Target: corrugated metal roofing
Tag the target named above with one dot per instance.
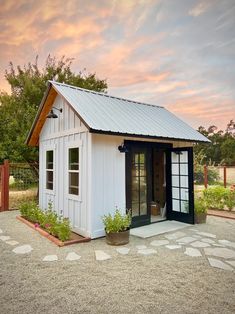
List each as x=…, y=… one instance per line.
x=109, y=114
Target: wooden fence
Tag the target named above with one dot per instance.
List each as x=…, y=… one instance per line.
x=4, y=186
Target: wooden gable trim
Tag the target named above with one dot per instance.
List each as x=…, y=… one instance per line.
x=46, y=105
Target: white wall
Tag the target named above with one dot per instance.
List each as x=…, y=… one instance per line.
x=60, y=134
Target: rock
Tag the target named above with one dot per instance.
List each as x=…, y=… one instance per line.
x=101, y=255
x=50, y=258
x=23, y=249
x=72, y=256
x=192, y=252
x=159, y=242
x=219, y=264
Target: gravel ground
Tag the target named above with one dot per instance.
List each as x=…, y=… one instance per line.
x=166, y=282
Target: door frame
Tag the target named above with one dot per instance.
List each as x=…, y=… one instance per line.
x=148, y=146
x=171, y=214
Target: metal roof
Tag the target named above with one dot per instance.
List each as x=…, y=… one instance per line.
x=107, y=114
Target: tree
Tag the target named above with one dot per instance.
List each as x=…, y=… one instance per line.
x=18, y=109
x=221, y=150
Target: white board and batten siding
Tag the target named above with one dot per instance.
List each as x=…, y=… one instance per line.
x=59, y=135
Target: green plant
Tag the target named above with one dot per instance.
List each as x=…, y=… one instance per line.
x=200, y=206
x=48, y=220
x=218, y=197
x=116, y=222
x=229, y=199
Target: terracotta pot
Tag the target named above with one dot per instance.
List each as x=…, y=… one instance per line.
x=118, y=238
x=200, y=218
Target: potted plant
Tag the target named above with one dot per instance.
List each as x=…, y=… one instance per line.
x=117, y=227
x=200, y=211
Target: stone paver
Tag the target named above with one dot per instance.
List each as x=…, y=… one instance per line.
x=147, y=251
x=206, y=234
x=173, y=246
x=185, y=240
x=227, y=243
x=219, y=264
x=101, y=255
x=159, y=242
x=175, y=235
x=206, y=240
x=220, y=252
x=141, y=247
x=72, y=256
x=23, y=249
x=50, y=258
x=12, y=242
x=199, y=244
x=192, y=252
x=196, y=236
x=5, y=238
x=123, y=250
x=1, y=231
x=231, y=263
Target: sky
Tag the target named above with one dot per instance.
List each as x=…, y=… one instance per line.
x=179, y=54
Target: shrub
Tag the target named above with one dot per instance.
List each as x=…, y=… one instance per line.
x=200, y=206
x=218, y=197
x=117, y=222
x=48, y=220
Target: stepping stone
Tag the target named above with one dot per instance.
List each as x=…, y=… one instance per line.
x=4, y=238
x=72, y=256
x=231, y=263
x=23, y=249
x=193, y=229
x=220, y=252
x=192, y=252
x=175, y=235
x=210, y=241
x=146, y=251
x=227, y=243
x=219, y=264
x=101, y=255
x=173, y=246
x=200, y=244
x=186, y=240
x=123, y=250
x=141, y=247
x=12, y=242
x=209, y=235
x=50, y=258
x=1, y=231
x=197, y=236
x=159, y=242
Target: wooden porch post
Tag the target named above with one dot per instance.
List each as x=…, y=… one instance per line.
x=225, y=176
x=5, y=186
x=205, y=176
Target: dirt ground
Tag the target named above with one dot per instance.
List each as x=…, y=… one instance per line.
x=166, y=282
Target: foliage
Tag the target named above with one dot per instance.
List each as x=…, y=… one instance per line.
x=199, y=162
x=117, y=222
x=221, y=150
x=219, y=197
x=49, y=220
x=18, y=109
x=200, y=206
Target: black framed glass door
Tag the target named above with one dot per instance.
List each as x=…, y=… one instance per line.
x=137, y=189
x=180, y=194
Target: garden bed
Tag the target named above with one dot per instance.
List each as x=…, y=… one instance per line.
x=74, y=238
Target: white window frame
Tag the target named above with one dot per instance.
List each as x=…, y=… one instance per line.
x=46, y=149
x=75, y=144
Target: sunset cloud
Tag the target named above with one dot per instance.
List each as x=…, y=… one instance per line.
x=178, y=54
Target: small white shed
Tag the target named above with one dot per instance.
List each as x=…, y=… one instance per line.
x=98, y=152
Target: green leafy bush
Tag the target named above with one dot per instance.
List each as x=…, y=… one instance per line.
x=200, y=206
x=117, y=222
x=218, y=197
x=47, y=220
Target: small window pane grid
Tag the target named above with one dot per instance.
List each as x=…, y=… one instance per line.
x=139, y=185
x=180, y=181
x=49, y=169
x=73, y=170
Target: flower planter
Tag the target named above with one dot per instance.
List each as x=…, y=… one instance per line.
x=200, y=218
x=75, y=238
x=118, y=238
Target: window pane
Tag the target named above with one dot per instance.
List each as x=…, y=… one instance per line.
x=184, y=169
x=49, y=159
x=176, y=205
x=175, y=180
x=184, y=194
x=176, y=193
x=49, y=180
x=184, y=156
x=174, y=157
x=73, y=183
x=184, y=207
x=175, y=168
x=184, y=181
x=73, y=158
